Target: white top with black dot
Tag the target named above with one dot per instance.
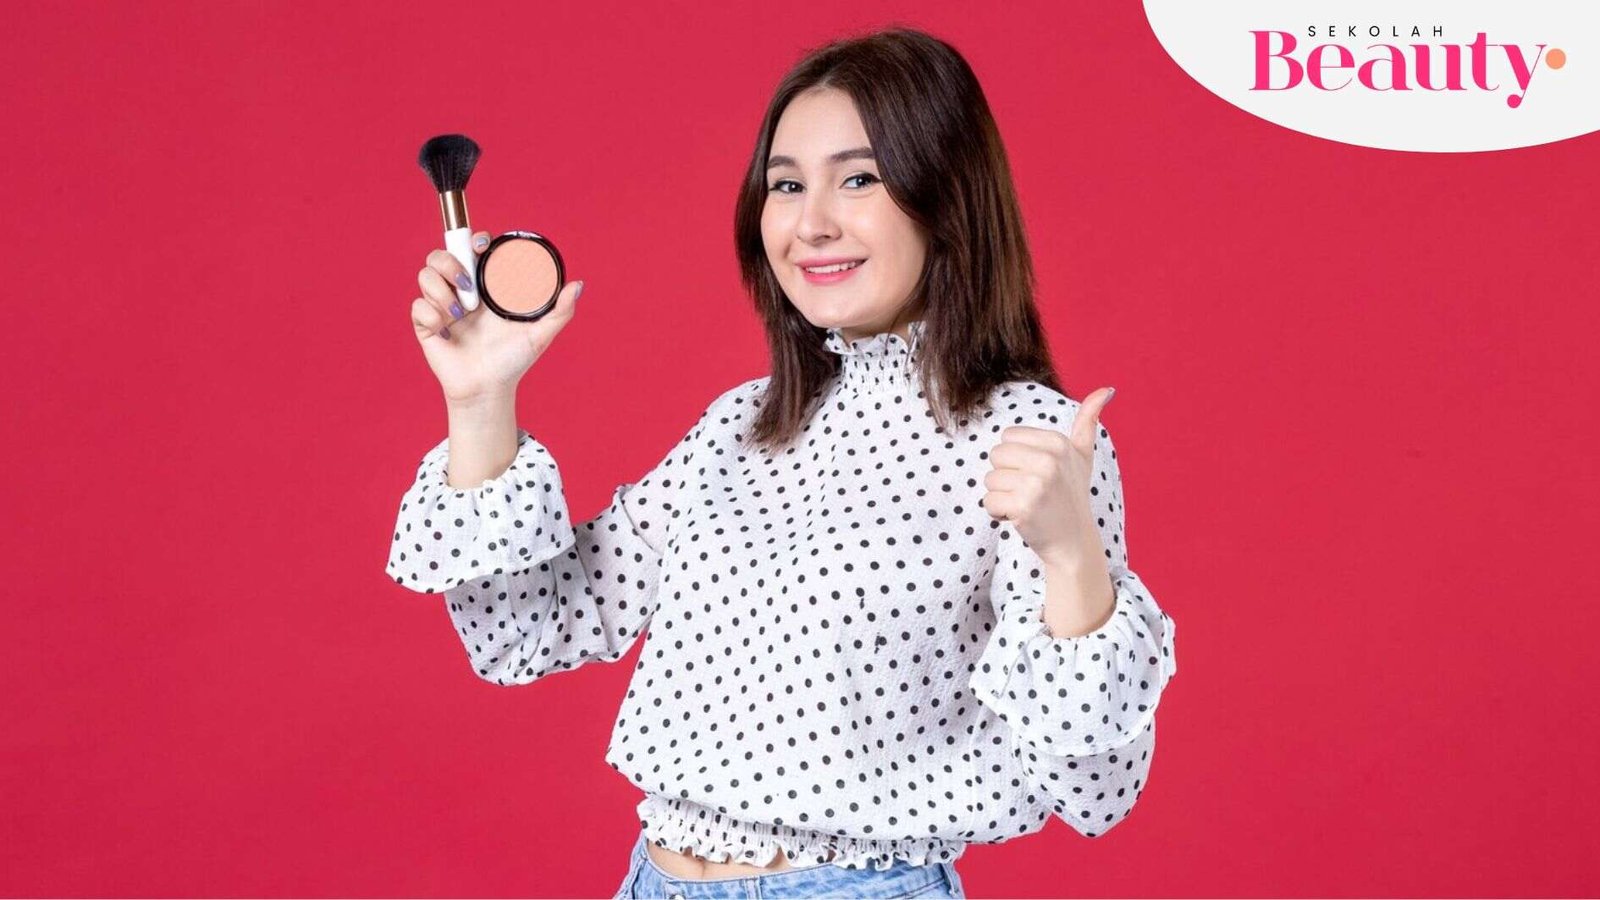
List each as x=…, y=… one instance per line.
x=845, y=652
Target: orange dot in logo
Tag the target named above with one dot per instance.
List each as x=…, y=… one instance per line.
x=1555, y=58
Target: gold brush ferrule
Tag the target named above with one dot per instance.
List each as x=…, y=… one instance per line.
x=454, y=206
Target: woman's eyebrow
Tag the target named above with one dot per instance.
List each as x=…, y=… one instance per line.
x=841, y=156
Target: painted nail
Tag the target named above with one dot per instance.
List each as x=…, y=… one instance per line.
x=579, y=292
x=463, y=282
x=481, y=242
x=445, y=332
x=456, y=311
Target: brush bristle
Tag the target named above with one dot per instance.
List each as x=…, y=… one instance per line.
x=449, y=160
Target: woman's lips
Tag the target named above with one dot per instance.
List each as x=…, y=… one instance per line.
x=831, y=277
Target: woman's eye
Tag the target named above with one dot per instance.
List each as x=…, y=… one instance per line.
x=777, y=187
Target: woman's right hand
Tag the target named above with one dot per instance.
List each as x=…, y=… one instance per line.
x=477, y=354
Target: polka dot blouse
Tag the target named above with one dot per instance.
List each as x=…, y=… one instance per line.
x=845, y=654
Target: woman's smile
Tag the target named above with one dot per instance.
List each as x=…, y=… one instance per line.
x=831, y=274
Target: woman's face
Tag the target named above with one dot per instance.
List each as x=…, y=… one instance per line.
x=826, y=202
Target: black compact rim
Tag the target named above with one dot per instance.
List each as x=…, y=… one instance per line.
x=483, y=288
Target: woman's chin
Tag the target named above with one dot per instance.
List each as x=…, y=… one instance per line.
x=833, y=312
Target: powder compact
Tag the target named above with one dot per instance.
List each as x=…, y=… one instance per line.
x=519, y=276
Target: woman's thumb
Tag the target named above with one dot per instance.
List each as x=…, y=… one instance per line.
x=565, y=306
x=574, y=291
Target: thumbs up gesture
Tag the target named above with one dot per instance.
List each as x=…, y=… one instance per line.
x=1039, y=482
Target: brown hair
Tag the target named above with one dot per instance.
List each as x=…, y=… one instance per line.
x=942, y=161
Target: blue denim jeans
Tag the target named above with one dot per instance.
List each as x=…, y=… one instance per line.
x=645, y=879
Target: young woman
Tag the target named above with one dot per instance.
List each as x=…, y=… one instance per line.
x=886, y=586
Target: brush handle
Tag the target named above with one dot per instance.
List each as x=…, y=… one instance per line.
x=459, y=242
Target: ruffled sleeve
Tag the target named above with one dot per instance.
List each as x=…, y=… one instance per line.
x=1080, y=695
x=447, y=536
x=1071, y=703
x=528, y=592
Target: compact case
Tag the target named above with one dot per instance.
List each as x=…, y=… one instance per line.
x=520, y=275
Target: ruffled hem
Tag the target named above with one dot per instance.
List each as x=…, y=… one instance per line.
x=1040, y=685
x=688, y=827
x=447, y=536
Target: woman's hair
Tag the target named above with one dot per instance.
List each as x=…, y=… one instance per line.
x=941, y=160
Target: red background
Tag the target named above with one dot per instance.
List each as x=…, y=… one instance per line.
x=1355, y=415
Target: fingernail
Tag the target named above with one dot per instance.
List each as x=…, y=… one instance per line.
x=579, y=292
x=463, y=282
x=481, y=242
x=1111, y=396
x=445, y=332
x=456, y=311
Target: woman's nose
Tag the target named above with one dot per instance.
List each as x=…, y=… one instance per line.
x=816, y=220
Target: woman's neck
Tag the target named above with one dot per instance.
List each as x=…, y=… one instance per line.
x=900, y=326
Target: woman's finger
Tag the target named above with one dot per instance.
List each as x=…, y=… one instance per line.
x=425, y=317
x=441, y=295
x=1086, y=427
x=480, y=241
x=445, y=263
x=567, y=301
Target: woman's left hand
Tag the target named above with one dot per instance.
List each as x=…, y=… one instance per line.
x=1039, y=482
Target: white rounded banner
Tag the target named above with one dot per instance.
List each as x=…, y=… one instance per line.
x=1436, y=77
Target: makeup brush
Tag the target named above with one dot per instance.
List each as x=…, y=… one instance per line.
x=449, y=160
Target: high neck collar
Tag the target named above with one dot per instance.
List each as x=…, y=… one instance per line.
x=880, y=362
